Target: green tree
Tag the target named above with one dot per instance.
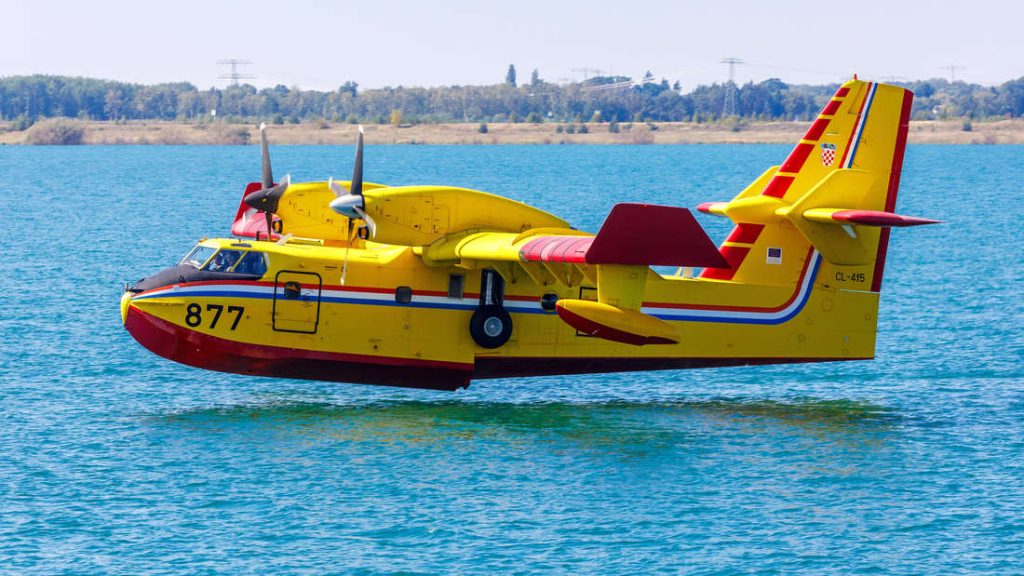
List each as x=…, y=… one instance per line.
x=535, y=78
x=510, y=76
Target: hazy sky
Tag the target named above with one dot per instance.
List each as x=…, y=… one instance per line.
x=415, y=43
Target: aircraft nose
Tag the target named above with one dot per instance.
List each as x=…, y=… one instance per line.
x=126, y=299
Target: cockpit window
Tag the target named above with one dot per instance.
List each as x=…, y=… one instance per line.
x=252, y=263
x=198, y=256
x=223, y=261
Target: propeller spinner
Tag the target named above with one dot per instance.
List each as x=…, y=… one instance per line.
x=266, y=199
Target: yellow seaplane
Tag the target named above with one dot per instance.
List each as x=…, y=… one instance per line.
x=433, y=286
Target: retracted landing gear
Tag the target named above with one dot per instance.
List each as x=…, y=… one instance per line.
x=491, y=325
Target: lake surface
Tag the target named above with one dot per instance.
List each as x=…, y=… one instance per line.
x=115, y=460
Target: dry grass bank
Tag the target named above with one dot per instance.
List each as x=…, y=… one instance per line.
x=160, y=132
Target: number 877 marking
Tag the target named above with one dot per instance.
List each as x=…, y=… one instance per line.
x=194, y=316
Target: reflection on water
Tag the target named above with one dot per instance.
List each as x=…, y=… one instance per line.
x=611, y=423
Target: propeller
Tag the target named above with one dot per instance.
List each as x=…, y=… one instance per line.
x=266, y=199
x=352, y=204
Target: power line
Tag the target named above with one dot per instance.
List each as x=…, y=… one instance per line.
x=588, y=72
x=234, y=75
x=952, y=70
x=729, y=107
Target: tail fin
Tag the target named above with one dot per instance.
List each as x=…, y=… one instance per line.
x=834, y=193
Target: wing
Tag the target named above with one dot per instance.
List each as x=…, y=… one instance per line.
x=303, y=211
x=632, y=235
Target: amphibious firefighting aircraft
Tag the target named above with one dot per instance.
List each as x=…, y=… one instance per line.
x=433, y=286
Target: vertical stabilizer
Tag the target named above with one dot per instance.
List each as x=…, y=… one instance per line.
x=849, y=159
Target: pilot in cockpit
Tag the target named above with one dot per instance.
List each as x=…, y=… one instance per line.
x=223, y=261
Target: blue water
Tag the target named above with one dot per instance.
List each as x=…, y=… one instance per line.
x=115, y=460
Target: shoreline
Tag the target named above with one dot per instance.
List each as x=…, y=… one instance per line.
x=159, y=132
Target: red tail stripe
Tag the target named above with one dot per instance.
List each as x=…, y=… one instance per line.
x=817, y=129
x=894, y=186
x=734, y=255
x=796, y=158
x=778, y=186
x=745, y=233
x=831, y=108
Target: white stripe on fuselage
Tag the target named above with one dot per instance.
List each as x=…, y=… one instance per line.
x=344, y=296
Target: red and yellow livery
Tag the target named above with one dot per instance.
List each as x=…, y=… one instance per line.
x=432, y=286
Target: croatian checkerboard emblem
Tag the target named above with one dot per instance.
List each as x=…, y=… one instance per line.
x=828, y=154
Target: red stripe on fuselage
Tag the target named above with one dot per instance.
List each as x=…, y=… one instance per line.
x=359, y=289
x=792, y=297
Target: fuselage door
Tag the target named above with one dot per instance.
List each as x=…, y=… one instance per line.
x=296, y=301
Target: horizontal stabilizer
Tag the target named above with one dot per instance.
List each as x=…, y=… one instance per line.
x=827, y=215
x=864, y=218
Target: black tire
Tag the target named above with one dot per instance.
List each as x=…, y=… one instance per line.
x=490, y=326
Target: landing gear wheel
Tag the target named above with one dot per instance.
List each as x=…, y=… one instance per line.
x=490, y=326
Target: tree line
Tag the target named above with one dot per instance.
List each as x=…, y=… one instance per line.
x=24, y=99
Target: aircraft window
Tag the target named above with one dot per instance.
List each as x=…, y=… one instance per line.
x=455, y=285
x=223, y=261
x=252, y=263
x=403, y=294
x=198, y=256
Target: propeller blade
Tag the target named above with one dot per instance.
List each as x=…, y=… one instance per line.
x=266, y=199
x=356, y=187
x=337, y=188
x=268, y=174
x=369, y=221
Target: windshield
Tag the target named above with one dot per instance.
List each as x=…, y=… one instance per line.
x=198, y=256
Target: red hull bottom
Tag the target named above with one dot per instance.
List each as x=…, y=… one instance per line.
x=212, y=353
